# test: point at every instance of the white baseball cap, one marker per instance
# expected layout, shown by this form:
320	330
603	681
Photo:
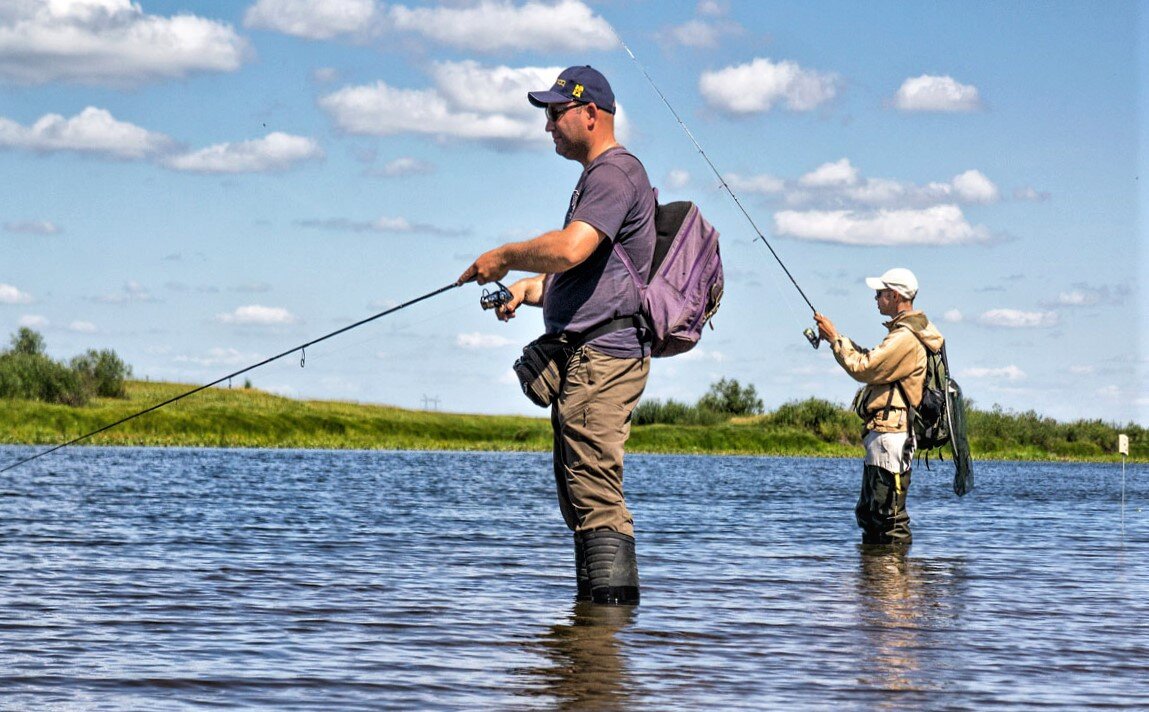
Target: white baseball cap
899	279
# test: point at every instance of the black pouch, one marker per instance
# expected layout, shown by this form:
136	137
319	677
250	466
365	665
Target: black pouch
541	368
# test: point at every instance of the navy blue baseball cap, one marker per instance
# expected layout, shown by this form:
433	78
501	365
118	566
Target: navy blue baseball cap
584	84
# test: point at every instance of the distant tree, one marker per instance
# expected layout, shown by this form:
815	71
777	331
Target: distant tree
103	373
730	397
29	342
26	371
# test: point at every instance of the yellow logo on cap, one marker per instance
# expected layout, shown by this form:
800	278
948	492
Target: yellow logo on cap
560	82
577	92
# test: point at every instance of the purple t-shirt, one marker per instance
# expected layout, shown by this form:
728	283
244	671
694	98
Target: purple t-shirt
614	195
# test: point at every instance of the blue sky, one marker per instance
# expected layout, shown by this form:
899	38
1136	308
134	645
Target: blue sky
199	185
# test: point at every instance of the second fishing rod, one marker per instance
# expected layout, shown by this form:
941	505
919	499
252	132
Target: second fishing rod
810	334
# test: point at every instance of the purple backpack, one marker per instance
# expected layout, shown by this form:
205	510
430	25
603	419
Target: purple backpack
685	282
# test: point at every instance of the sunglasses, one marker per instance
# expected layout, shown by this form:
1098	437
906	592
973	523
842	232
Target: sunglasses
554	113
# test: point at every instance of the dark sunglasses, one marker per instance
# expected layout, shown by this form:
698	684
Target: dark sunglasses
554	113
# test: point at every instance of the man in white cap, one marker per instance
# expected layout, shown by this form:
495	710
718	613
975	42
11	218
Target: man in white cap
893	371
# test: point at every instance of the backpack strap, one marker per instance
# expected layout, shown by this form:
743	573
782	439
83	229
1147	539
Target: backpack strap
578	338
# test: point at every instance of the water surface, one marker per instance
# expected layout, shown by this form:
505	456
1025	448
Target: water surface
245	579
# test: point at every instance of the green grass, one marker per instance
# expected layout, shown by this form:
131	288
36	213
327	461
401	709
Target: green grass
221	417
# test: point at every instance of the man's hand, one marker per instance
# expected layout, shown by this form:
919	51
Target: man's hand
490	266
528	290
826	328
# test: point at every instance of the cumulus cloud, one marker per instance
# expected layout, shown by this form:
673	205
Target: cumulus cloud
1007	373
82	327
700	33
1017	319
92	131
33	227
316	20
937	94
407	166
840	183
761	184
1084	295
830	175
12	295
677	179
383	224
498	25
1029	194
757	86
33	321
953	316
220	357
132	292
258	315
273	153
476	340
448	109
938	225
110	42
974	187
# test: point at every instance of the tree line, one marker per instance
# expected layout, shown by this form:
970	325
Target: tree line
27	372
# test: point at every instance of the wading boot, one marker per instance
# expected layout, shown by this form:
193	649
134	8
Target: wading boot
611	567
581	574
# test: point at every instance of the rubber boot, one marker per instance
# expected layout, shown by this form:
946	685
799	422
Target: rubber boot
581	574
611	567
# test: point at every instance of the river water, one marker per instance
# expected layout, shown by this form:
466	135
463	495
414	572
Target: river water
173	579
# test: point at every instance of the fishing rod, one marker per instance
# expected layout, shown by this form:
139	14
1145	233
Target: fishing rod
809	333
302	349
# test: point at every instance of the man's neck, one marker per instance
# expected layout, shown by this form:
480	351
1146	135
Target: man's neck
599	148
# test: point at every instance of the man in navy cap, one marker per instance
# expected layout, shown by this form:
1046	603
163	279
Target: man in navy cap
589	301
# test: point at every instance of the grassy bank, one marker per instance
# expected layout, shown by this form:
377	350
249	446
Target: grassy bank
250	418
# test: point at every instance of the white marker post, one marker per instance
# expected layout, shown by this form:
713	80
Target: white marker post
1123	448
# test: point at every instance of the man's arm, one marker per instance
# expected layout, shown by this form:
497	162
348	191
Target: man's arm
889	361
550	253
528	290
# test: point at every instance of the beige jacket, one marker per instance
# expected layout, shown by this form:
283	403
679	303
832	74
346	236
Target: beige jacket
900	357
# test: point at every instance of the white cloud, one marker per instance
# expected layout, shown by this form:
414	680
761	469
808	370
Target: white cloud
33	321
1008	373
448	110
1030	194
316	20
762	184
132	292
476	340
275	152
953	316
757	86
677	179
938	225
258	315
220	357
700	34
497	25
110	42
93	131
82	327
12	295
33	227
934	93
699	354
973	187
1083	295
1082	370
383	224
407	166
830	175
1016	319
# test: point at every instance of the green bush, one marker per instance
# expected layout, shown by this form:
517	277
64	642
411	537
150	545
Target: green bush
672	412
27	372
729	397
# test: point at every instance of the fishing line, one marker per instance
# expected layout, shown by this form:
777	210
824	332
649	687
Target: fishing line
301	349
809	333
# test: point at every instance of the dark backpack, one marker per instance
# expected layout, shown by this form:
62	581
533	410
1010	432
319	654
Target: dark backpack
939	419
684	287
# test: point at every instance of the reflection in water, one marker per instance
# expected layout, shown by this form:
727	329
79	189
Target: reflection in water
588	667
895	600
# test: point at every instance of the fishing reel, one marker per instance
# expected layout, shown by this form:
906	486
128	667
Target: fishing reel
495	299
812	337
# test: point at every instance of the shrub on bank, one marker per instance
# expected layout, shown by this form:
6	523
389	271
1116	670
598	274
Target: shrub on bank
27	372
